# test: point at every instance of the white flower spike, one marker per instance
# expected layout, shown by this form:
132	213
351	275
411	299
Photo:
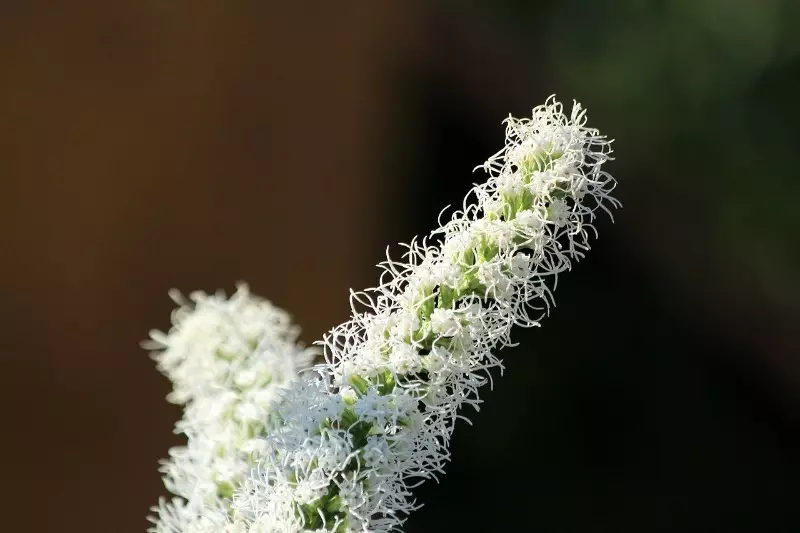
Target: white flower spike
356	434
228	360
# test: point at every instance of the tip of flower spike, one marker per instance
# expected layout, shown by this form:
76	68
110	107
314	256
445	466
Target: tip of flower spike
228	359
177	296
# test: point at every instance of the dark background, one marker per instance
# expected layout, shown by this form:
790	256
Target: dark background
193	144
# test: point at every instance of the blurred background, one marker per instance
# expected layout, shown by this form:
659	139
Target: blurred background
166	143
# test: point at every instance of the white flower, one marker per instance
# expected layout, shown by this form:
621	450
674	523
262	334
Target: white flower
559	212
529	221
447	273
509	185
405	324
445	322
348	394
376	418
495	281
228	359
405	359
436	360
456	245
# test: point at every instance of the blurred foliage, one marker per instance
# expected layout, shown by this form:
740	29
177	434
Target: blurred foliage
701	94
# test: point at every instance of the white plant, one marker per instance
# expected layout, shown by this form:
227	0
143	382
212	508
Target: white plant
356	434
227	359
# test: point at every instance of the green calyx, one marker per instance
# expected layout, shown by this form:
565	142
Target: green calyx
324	512
225	489
329	510
383	381
538	162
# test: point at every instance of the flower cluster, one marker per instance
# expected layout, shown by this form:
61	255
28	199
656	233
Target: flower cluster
355	435
227	359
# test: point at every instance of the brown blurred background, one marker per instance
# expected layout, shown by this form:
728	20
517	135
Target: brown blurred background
162	144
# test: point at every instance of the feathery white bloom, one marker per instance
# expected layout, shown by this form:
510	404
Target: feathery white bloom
356	434
228	359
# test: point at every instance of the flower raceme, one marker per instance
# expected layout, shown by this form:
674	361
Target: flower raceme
354	435
227	359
